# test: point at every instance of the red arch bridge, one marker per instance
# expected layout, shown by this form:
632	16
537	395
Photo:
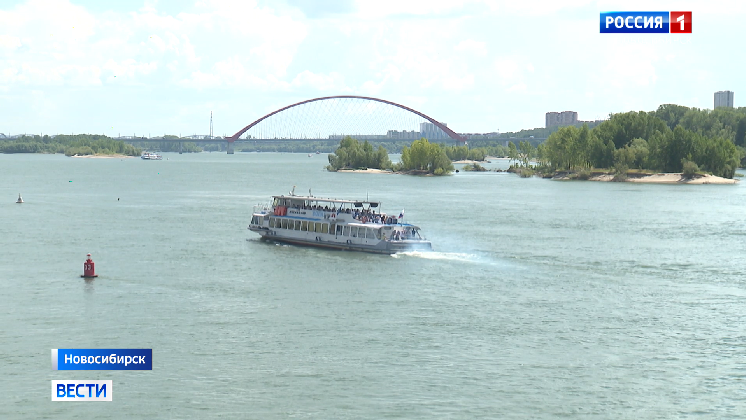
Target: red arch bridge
331	118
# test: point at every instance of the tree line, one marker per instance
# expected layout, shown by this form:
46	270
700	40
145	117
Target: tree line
420	157
464	153
663	140
80	144
352	154
487	148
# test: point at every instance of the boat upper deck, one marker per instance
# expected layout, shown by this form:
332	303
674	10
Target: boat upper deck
300	200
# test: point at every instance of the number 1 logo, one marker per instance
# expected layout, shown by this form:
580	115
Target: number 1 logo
681	22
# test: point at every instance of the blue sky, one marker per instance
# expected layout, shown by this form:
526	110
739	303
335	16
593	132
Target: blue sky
153	67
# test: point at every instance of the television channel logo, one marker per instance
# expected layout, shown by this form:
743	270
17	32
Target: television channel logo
681	22
81	390
646	22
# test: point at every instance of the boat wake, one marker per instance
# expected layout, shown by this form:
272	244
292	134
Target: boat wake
432	255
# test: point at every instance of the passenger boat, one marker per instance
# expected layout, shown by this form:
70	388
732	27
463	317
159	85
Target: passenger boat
151	156
338	224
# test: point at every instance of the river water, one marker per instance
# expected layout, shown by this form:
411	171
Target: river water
543	299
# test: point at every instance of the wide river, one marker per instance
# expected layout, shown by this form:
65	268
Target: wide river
543	299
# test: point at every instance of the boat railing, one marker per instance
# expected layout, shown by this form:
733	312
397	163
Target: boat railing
401	224
262	208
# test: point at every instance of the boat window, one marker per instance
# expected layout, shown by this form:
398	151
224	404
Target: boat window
304	226
297	225
378	233
346	231
325	228
317	227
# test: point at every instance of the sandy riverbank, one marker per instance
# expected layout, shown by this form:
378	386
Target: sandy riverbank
381	171
366	171
103	156
668	178
471	161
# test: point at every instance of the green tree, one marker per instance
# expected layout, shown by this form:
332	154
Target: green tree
526	152
426	156
624	127
671	114
740	135
352	154
512	152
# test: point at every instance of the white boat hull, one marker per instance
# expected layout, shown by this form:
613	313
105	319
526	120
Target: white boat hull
324	240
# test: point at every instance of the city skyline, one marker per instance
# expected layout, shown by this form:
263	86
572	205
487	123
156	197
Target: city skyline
484	66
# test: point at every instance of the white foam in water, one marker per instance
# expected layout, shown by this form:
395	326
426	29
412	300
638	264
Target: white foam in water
430	255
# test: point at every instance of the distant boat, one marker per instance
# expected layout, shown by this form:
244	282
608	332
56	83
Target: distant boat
318	153
151	156
20	200
309	155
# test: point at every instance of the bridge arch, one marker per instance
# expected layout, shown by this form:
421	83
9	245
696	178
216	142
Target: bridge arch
451	133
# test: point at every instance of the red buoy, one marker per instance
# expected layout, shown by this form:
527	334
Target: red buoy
89	268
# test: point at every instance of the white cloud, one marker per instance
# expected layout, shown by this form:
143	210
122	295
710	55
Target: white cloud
332	82
129	68
520	87
508	70
383	8
446	54
458	84
9	42
472	47
142	42
540	7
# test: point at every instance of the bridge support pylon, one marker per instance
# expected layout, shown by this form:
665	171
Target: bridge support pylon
230	148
